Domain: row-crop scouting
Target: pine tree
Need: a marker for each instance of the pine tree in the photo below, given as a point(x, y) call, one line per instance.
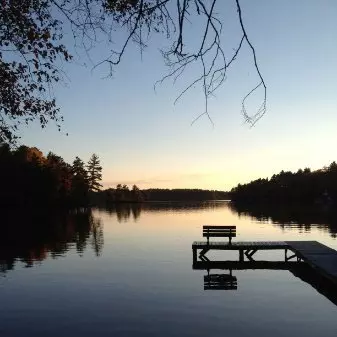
point(80, 184)
point(94, 173)
point(78, 168)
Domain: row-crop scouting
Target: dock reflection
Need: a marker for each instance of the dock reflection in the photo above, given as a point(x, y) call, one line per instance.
point(227, 281)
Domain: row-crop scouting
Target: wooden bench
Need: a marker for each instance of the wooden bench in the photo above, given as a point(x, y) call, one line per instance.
point(219, 231)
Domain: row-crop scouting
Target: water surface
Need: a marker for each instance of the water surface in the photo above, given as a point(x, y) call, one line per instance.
point(128, 271)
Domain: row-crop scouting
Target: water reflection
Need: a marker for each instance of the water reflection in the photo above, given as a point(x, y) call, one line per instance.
point(220, 281)
point(30, 239)
point(227, 281)
point(302, 218)
point(124, 211)
point(296, 217)
point(143, 285)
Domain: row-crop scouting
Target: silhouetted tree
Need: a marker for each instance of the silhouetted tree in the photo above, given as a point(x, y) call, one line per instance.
point(30, 180)
point(333, 167)
point(181, 194)
point(136, 193)
point(94, 173)
point(303, 187)
point(61, 177)
point(123, 194)
point(80, 183)
point(31, 46)
point(78, 168)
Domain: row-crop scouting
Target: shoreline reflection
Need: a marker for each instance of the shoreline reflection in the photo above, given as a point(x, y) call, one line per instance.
point(31, 239)
point(297, 217)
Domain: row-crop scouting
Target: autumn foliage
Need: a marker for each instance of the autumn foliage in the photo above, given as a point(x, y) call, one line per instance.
point(31, 180)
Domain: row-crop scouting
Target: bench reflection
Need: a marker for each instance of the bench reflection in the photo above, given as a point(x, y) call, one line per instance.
point(220, 282)
point(227, 281)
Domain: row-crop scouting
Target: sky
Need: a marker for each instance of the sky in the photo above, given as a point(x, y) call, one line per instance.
point(143, 138)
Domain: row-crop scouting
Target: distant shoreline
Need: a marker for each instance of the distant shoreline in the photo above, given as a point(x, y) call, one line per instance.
point(165, 201)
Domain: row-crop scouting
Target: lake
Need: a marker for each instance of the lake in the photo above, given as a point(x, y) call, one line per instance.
point(127, 271)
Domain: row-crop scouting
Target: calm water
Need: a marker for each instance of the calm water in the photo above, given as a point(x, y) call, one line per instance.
point(128, 272)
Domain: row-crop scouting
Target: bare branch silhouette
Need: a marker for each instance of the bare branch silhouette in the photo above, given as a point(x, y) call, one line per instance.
point(116, 24)
point(262, 109)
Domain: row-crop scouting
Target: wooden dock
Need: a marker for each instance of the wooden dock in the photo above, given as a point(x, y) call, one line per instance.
point(320, 257)
point(245, 248)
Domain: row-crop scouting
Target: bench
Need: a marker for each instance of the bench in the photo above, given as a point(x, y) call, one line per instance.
point(219, 231)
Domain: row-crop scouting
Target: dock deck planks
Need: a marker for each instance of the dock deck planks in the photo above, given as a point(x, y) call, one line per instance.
point(318, 256)
point(260, 245)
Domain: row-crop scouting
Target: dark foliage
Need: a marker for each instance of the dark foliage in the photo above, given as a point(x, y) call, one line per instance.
point(30, 46)
point(94, 173)
point(30, 180)
point(303, 187)
point(184, 194)
point(122, 193)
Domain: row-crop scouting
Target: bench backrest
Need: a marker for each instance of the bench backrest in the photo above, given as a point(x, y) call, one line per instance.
point(219, 231)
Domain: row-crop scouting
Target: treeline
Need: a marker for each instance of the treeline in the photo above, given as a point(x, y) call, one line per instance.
point(303, 187)
point(122, 193)
point(33, 181)
point(177, 194)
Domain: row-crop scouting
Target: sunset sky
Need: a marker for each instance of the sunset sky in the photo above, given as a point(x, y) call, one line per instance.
point(142, 138)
